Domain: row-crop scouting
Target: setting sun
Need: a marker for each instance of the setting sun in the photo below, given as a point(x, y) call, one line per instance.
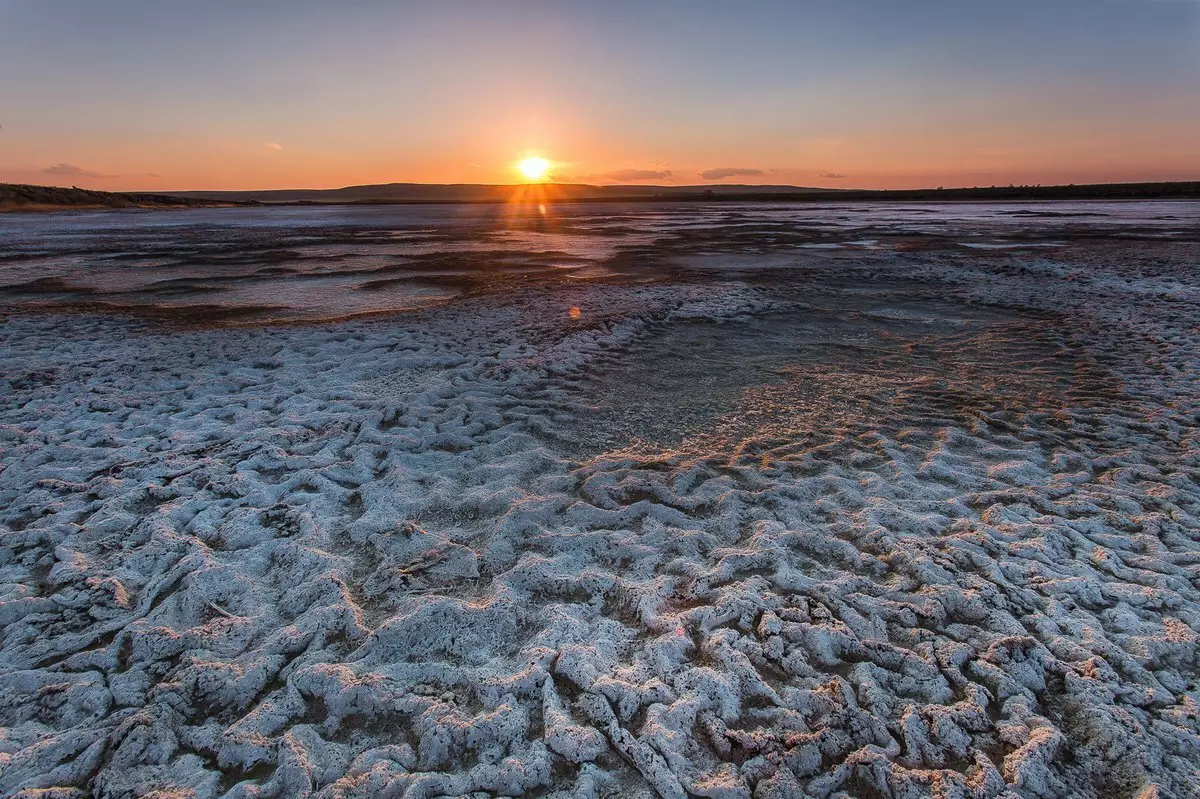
point(534, 168)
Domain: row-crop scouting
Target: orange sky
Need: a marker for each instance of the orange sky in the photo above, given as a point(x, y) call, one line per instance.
point(854, 94)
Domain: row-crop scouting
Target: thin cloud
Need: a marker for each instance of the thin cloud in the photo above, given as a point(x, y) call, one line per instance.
point(728, 172)
point(72, 171)
point(631, 175)
point(275, 146)
point(833, 175)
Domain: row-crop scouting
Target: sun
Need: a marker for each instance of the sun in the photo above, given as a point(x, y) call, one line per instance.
point(534, 168)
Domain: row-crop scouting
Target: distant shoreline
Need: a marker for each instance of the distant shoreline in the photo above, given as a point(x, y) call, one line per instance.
point(34, 199)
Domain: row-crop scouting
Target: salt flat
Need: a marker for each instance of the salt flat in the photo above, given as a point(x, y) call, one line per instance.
point(715, 501)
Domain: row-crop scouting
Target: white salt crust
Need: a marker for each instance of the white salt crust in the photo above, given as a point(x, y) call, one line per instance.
point(374, 560)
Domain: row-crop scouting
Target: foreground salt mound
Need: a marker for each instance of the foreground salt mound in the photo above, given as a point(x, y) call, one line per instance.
point(369, 561)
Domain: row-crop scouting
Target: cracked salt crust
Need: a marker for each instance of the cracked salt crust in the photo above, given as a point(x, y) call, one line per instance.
point(956, 557)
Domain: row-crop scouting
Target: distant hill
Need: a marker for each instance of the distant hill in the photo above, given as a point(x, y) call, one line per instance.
point(22, 197)
point(575, 192)
point(483, 192)
point(17, 197)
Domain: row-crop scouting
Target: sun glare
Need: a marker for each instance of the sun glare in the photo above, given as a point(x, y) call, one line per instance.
point(534, 168)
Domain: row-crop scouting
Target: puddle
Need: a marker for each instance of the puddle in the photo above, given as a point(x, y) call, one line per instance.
point(708, 387)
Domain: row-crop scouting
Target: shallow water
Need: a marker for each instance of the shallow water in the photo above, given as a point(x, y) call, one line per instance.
point(281, 264)
point(839, 363)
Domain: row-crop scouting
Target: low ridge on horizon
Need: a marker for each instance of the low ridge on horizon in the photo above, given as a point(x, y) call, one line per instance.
point(29, 197)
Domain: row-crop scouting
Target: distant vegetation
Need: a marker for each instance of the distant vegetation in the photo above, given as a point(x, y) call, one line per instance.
point(1093, 191)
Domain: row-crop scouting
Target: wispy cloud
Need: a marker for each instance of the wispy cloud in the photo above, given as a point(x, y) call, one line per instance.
point(833, 175)
point(631, 175)
point(728, 172)
point(617, 176)
point(274, 146)
point(72, 171)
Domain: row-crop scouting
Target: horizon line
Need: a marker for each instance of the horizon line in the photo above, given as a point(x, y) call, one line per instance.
point(646, 186)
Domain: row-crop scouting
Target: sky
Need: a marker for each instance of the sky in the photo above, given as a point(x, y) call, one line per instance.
point(254, 94)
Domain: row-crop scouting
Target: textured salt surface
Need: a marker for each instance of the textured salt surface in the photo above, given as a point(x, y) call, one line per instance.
point(855, 524)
